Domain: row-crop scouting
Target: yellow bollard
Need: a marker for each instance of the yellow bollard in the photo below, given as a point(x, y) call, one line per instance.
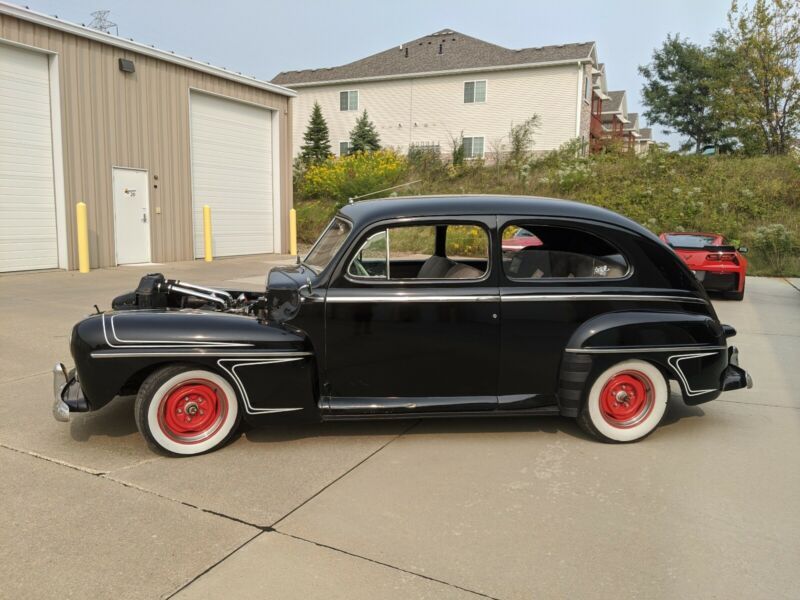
point(82, 217)
point(207, 232)
point(293, 232)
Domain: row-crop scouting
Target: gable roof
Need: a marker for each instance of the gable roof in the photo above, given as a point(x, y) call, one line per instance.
point(32, 16)
point(443, 51)
point(633, 122)
point(615, 102)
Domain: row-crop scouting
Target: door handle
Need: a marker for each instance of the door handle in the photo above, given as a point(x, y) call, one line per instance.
point(144, 218)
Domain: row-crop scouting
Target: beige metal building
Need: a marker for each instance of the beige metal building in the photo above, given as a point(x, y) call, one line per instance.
point(144, 137)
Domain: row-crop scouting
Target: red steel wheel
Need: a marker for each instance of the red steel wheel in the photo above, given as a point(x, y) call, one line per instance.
point(626, 402)
point(181, 409)
point(192, 411)
point(626, 399)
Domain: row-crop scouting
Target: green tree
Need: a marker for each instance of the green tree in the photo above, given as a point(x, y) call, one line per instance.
point(677, 92)
point(317, 144)
point(759, 74)
point(364, 137)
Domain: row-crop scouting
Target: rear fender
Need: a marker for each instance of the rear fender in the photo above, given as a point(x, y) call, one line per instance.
point(689, 348)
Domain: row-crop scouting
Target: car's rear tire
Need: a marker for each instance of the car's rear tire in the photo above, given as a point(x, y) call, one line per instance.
point(735, 295)
point(625, 403)
point(185, 410)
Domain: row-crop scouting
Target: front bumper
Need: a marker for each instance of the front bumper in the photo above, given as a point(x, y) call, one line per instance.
point(734, 377)
point(67, 394)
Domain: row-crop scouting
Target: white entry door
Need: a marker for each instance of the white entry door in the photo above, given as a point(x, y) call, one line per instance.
point(131, 216)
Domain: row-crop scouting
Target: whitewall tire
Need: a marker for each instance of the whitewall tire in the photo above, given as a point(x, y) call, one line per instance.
point(626, 402)
point(185, 410)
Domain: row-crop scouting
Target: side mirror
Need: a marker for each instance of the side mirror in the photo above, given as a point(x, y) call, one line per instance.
point(742, 249)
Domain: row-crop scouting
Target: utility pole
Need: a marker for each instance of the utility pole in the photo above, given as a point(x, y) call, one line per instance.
point(101, 22)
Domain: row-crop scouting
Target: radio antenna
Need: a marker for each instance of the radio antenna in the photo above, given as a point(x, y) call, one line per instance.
point(394, 187)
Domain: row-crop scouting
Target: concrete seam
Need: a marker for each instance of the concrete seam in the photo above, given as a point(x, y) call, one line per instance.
point(383, 564)
point(346, 473)
point(210, 567)
point(757, 404)
point(56, 461)
point(791, 284)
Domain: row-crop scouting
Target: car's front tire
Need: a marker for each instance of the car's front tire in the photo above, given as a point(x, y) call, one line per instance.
point(625, 403)
point(185, 410)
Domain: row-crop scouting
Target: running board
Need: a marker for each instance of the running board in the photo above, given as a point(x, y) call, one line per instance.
point(540, 411)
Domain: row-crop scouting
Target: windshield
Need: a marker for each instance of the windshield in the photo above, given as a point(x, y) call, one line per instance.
point(691, 241)
point(324, 249)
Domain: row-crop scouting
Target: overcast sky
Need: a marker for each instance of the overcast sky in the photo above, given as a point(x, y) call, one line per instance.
point(264, 38)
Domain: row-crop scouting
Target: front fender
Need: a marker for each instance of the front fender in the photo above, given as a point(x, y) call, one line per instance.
point(270, 365)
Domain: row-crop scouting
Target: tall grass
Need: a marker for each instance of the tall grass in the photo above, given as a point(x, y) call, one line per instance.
point(734, 196)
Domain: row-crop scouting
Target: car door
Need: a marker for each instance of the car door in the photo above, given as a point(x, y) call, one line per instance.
point(412, 319)
point(547, 290)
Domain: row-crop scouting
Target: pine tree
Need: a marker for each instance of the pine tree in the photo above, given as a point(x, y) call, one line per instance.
point(364, 137)
point(317, 146)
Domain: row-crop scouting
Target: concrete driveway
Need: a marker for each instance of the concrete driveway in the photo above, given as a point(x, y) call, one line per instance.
point(707, 507)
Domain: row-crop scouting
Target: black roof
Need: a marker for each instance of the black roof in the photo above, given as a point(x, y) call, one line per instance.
point(365, 212)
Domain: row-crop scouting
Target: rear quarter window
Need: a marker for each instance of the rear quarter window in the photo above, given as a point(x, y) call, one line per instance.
point(559, 253)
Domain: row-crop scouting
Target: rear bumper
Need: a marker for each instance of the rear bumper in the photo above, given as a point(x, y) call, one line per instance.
point(734, 377)
point(67, 394)
point(716, 281)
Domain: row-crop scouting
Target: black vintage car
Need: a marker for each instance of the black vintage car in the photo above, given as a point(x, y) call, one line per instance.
point(410, 308)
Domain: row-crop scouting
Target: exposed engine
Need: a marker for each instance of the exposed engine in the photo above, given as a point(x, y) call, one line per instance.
point(157, 292)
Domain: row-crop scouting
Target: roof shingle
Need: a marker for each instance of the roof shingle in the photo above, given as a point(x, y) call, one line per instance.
point(445, 50)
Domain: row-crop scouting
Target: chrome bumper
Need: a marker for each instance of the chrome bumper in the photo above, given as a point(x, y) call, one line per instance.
point(734, 377)
point(60, 408)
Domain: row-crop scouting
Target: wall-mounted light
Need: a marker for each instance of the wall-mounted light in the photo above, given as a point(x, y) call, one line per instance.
point(126, 66)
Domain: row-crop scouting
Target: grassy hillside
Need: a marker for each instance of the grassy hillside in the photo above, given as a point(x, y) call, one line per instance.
point(753, 201)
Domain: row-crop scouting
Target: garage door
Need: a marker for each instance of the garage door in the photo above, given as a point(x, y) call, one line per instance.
point(232, 173)
point(28, 238)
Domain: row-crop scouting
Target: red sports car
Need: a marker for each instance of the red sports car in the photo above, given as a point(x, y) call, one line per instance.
point(520, 239)
point(719, 266)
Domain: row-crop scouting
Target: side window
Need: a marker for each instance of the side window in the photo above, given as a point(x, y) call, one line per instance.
point(348, 100)
point(344, 148)
point(475, 91)
point(533, 251)
point(422, 252)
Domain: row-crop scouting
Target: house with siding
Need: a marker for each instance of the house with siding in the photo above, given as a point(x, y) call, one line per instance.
point(435, 89)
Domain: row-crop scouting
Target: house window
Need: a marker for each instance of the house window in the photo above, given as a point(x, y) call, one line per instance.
point(473, 147)
point(348, 100)
point(344, 148)
point(474, 91)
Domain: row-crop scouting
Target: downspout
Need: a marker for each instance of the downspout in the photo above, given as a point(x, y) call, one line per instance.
point(578, 105)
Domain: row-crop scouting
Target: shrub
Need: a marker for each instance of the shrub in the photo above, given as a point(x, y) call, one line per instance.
point(775, 243)
point(345, 177)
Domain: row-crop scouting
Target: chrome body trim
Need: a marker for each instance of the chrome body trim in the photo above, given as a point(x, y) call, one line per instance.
point(412, 298)
point(506, 298)
point(580, 297)
point(200, 352)
point(642, 349)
